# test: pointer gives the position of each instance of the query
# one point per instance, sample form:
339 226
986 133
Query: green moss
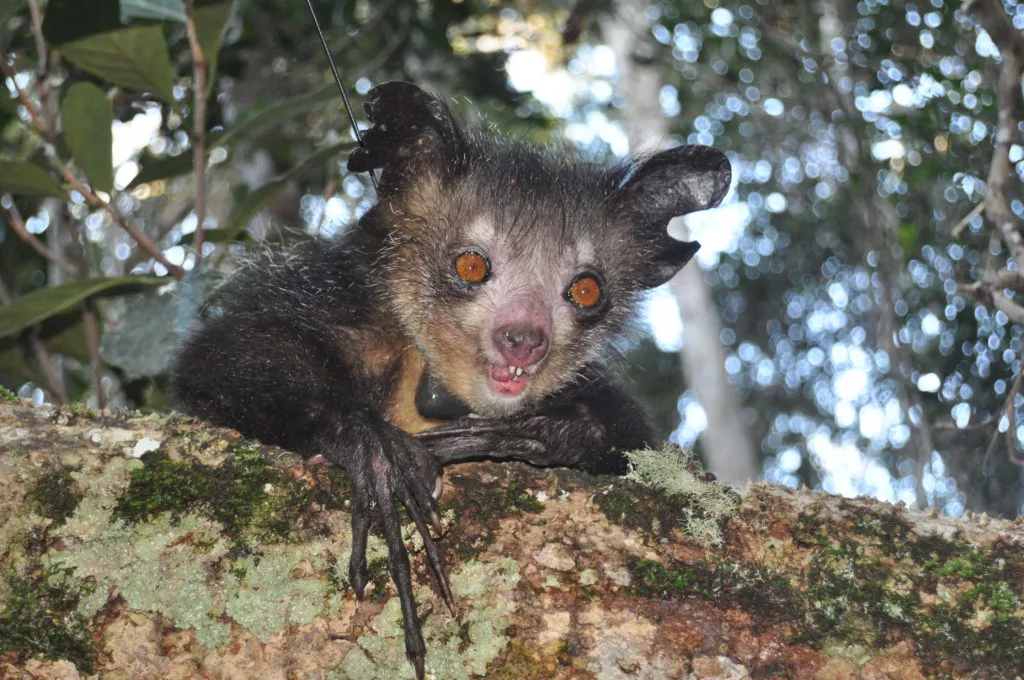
870 583
961 604
755 589
653 579
252 499
40 617
851 596
475 515
518 662
8 396
966 567
378 571
506 501
54 495
981 629
518 498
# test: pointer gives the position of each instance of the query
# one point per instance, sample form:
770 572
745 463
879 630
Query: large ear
413 133
669 184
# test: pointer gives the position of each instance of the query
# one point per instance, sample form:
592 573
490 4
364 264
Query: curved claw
433 556
388 467
401 575
358 574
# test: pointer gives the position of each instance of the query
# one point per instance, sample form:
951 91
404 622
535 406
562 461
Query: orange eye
585 291
472 267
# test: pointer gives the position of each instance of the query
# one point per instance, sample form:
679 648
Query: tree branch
987 294
33 111
37 33
18 225
1012 447
147 244
46 131
966 221
994 20
198 128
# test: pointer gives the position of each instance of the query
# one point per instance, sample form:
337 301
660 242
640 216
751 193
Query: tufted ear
413 133
669 184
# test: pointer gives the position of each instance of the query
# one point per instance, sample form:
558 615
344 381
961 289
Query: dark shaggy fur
322 352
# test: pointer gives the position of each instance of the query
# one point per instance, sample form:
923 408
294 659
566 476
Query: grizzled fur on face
541 218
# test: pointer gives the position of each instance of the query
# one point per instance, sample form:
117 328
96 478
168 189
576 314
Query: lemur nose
522 344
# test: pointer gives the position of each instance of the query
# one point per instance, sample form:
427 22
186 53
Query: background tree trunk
726 445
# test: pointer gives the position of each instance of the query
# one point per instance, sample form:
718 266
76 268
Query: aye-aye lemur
464 316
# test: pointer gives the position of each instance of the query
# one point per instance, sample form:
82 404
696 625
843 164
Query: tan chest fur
400 407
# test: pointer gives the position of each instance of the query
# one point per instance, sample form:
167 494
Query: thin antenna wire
341 86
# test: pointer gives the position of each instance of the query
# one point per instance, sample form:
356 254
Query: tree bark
157 547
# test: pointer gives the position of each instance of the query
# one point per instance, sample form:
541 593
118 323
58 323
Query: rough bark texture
726 442
156 547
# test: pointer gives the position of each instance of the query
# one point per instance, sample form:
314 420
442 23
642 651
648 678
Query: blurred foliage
860 134
276 133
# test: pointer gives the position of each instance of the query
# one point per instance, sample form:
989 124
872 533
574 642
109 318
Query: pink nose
521 344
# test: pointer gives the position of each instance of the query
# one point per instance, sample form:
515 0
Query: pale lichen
161 566
670 472
269 594
456 649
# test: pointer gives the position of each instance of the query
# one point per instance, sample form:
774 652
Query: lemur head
510 265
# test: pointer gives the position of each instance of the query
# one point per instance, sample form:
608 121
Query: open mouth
508 380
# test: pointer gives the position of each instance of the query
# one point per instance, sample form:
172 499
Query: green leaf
64 335
67 338
9 105
259 199
87 117
211 19
135 58
210 24
161 10
175 166
141 342
218 236
45 303
153 169
69 20
22 178
275 114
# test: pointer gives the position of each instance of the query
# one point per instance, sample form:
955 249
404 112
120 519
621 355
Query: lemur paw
387 467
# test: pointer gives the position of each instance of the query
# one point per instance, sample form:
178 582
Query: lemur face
509 265
507 303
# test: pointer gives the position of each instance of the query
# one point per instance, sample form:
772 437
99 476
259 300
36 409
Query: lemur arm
284 383
589 426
